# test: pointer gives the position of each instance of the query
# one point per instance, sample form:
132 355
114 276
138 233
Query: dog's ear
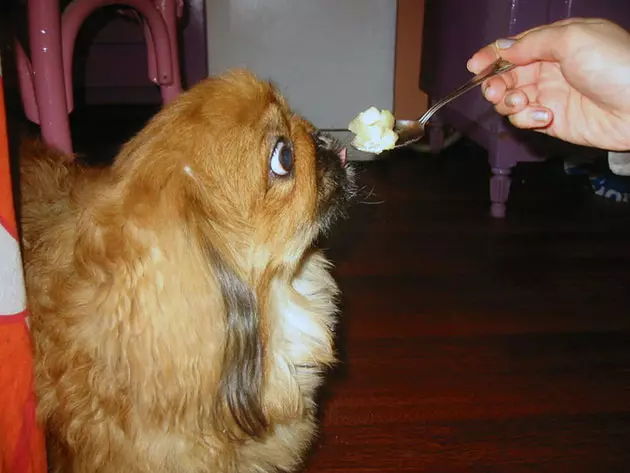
239 406
242 370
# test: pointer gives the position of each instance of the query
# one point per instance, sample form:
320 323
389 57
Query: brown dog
182 320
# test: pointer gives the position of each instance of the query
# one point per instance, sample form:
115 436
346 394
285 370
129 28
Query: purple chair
453 31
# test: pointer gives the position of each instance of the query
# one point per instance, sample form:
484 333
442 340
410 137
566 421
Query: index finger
540 43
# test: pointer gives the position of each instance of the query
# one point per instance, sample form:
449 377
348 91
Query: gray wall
332 58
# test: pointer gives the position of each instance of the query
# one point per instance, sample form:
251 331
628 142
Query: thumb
539 44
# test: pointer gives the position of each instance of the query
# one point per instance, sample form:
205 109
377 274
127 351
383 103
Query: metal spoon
410 131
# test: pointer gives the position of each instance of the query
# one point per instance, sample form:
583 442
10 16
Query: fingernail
485 88
512 100
540 116
504 43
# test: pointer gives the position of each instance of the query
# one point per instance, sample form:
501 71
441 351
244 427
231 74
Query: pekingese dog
182 319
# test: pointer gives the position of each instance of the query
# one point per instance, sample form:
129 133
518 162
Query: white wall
331 58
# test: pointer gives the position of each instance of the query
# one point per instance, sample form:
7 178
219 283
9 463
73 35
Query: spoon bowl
411 131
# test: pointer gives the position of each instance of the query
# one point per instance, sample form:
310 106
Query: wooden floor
476 345
469 344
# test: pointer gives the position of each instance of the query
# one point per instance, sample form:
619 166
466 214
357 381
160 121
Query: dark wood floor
470 344
476 345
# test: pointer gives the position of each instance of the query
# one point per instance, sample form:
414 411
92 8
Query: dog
182 317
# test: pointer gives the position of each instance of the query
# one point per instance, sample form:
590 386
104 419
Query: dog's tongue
343 157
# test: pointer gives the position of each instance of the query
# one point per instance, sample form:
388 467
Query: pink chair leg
44 22
169 10
150 45
46 81
169 88
78 11
25 80
151 54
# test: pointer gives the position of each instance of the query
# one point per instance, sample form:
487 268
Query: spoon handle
496 68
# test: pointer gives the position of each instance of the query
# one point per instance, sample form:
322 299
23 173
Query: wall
332 58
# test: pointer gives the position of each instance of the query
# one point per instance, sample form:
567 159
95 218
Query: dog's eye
281 158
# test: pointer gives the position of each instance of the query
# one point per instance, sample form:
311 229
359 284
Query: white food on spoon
374 130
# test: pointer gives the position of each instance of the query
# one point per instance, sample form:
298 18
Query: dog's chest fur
301 337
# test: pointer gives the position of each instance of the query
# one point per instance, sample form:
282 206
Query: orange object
410 102
22 447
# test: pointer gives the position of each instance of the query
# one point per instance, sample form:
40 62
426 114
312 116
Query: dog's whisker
364 197
372 191
371 203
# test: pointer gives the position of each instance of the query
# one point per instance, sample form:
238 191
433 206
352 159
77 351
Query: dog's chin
336 182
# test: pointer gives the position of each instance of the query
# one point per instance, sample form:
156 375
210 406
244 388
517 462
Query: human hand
572 81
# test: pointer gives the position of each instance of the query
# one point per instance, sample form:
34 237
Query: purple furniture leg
436 136
503 154
499 191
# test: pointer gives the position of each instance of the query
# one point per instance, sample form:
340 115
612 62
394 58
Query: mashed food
374 130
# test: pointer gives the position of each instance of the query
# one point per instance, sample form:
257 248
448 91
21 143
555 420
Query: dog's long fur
182 320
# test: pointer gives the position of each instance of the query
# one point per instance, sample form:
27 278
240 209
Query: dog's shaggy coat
182 320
